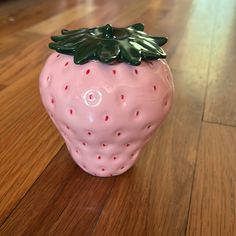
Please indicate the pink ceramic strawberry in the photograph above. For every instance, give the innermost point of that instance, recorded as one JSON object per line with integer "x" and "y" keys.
{"x": 106, "y": 90}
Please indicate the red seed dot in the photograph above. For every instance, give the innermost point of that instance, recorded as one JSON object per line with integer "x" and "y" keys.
{"x": 52, "y": 101}
{"x": 66, "y": 87}
{"x": 155, "y": 87}
{"x": 165, "y": 101}
{"x": 90, "y": 96}
{"x": 87, "y": 71}
{"x": 137, "y": 113}
{"x": 67, "y": 127}
{"x": 58, "y": 55}
{"x": 122, "y": 167}
{"x": 99, "y": 157}
{"x": 106, "y": 118}
{"x": 119, "y": 134}
{"x": 89, "y": 133}
{"x": 71, "y": 111}
{"x": 132, "y": 154}
{"x": 149, "y": 126}
{"x": 127, "y": 145}
{"x": 114, "y": 158}
{"x": 66, "y": 63}
{"x": 114, "y": 72}
{"x": 104, "y": 145}
{"x": 136, "y": 71}
{"x": 84, "y": 143}
{"x": 103, "y": 169}
{"x": 122, "y": 97}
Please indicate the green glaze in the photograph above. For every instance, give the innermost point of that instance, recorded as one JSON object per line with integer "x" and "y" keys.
{"x": 109, "y": 44}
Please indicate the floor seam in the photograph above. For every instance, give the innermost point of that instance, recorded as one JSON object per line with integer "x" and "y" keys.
{"x": 193, "y": 178}
{"x": 201, "y": 124}
{"x": 218, "y": 123}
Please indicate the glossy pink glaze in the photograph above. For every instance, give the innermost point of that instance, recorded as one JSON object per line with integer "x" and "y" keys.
{"x": 105, "y": 113}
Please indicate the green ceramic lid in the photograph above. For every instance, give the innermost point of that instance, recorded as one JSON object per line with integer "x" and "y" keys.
{"x": 109, "y": 44}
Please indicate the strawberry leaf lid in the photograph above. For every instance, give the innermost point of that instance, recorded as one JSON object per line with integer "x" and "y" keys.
{"x": 109, "y": 44}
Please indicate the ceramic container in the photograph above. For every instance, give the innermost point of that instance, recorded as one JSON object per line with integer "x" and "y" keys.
{"x": 106, "y": 90}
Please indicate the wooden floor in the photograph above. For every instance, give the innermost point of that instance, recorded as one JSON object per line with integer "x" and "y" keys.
{"x": 185, "y": 180}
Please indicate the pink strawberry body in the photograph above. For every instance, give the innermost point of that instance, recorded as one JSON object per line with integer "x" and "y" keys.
{"x": 105, "y": 113}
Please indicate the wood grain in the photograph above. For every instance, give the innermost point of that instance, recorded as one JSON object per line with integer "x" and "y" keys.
{"x": 213, "y": 207}
{"x": 194, "y": 43}
{"x": 27, "y": 61}
{"x": 118, "y": 15}
{"x": 28, "y": 141}
{"x": 153, "y": 198}
{"x": 220, "y": 101}
{"x": 2, "y": 87}
{"x": 16, "y": 42}
{"x": 18, "y": 15}
{"x": 61, "y": 20}
{"x": 63, "y": 201}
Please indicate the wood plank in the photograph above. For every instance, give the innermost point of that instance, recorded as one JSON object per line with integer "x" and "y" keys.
{"x": 220, "y": 101}
{"x": 213, "y": 201}
{"x": 28, "y": 141}
{"x": 59, "y": 21}
{"x": 17, "y": 42}
{"x": 18, "y": 15}
{"x": 28, "y": 60}
{"x": 63, "y": 201}
{"x": 153, "y": 198}
{"x": 194, "y": 37}
{"x": 92, "y": 16}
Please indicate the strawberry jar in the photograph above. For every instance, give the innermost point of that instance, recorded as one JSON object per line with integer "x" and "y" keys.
{"x": 107, "y": 90}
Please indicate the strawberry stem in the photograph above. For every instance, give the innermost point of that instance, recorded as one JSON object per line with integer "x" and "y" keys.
{"x": 109, "y": 44}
